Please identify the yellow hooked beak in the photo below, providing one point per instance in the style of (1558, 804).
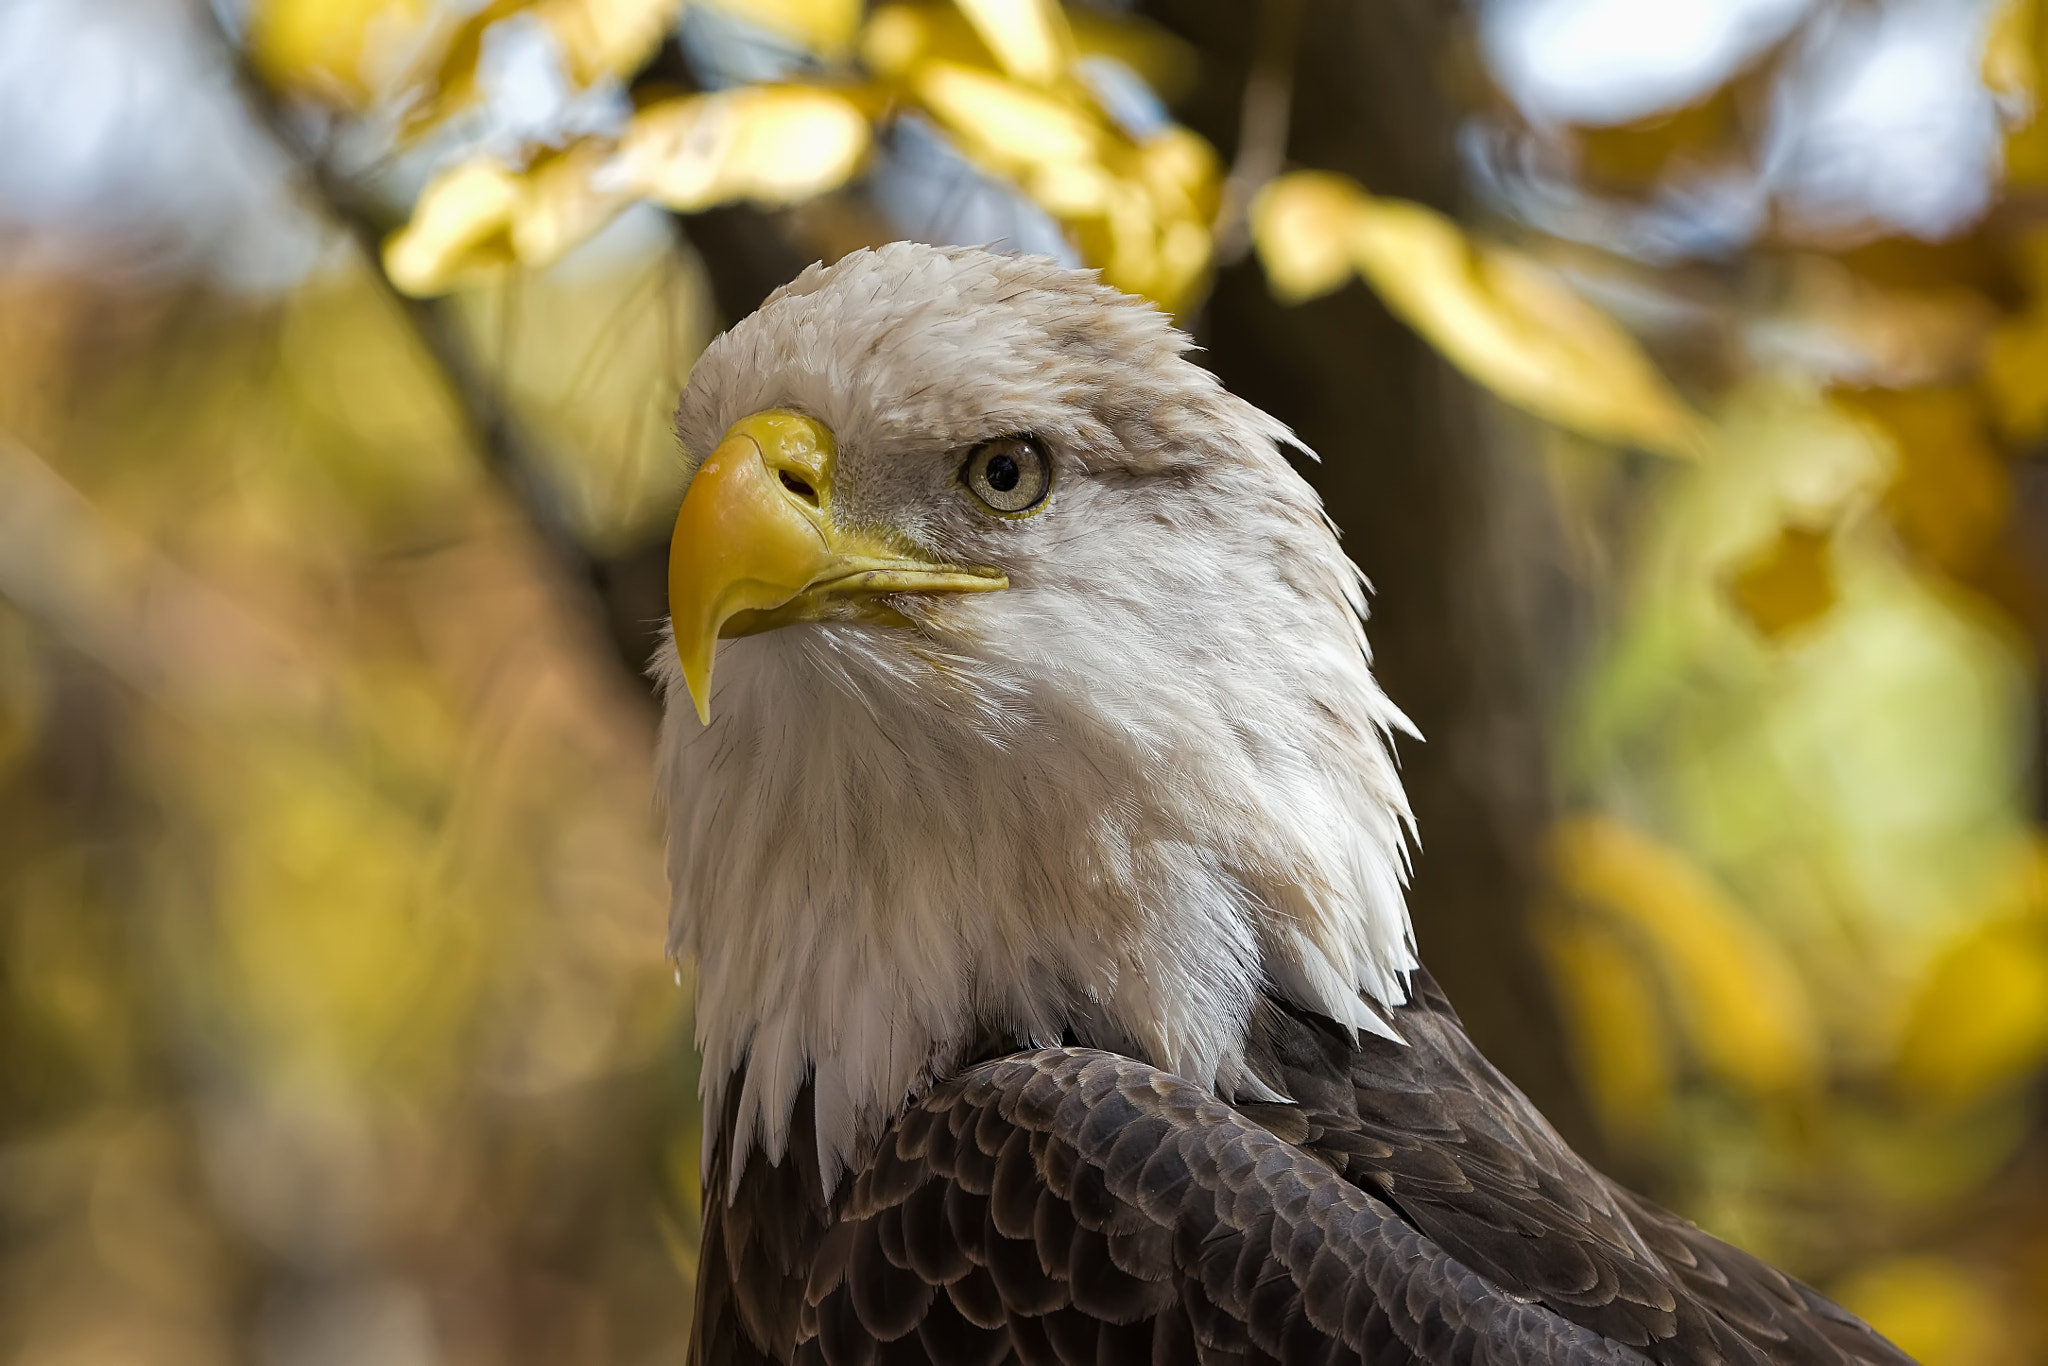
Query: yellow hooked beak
(756, 547)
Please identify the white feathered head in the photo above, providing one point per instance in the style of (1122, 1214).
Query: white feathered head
(1042, 706)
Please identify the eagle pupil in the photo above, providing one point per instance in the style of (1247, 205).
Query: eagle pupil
(1002, 473)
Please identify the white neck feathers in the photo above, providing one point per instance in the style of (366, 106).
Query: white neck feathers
(882, 852)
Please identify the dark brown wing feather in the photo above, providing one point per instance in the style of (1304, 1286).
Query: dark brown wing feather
(1434, 1130)
(1073, 1206)
(758, 1248)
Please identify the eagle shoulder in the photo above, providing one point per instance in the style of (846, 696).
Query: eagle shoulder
(1074, 1205)
(1067, 1205)
(1435, 1131)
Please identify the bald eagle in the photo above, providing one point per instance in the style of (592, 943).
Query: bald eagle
(1041, 851)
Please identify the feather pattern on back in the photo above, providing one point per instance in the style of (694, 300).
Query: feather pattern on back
(1073, 1206)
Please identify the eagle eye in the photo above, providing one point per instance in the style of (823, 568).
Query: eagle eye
(1010, 474)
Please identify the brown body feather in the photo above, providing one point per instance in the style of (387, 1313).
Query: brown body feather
(1074, 1206)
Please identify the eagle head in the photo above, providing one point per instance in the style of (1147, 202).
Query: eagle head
(1019, 694)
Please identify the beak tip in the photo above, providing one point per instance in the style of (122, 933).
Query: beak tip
(696, 671)
(698, 681)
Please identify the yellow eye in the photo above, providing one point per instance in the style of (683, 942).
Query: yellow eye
(1010, 474)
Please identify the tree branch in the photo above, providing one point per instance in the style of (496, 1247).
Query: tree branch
(611, 592)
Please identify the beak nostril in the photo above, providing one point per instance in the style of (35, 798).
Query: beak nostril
(799, 487)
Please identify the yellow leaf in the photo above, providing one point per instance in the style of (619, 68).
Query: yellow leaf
(460, 229)
(1028, 37)
(475, 219)
(900, 36)
(561, 203)
(1493, 312)
(1614, 1017)
(773, 145)
(595, 39)
(1072, 189)
(1744, 1009)
(336, 51)
(1137, 209)
(1003, 123)
(1182, 172)
(1517, 329)
(451, 83)
(895, 37)
(1146, 220)
(2015, 56)
(1979, 1022)
(2011, 65)
(1133, 238)
(826, 27)
(1787, 584)
(1147, 237)
(607, 37)
(1949, 498)
(1185, 250)
(1301, 226)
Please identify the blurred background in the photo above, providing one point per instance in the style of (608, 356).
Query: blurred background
(1680, 376)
